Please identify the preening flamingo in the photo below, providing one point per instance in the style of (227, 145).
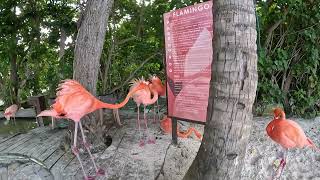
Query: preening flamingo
(288, 134)
(143, 96)
(161, 89)
(11, 112)
(166, 127)
(73, 102)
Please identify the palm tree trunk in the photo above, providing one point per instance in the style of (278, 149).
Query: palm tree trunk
(232, 92)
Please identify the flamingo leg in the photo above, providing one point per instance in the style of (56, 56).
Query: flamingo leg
(14, 119)
(158, 108)
(154, 114)
(99, 171)
(281, 166)
(283, 162)
(144, 117)
(52, 123)
(150, 140)
(75, 151)
(141, 143)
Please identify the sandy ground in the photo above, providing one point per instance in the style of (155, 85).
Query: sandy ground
(261, 155)
(172, 161)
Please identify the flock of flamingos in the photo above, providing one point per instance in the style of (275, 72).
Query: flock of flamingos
(73, 102)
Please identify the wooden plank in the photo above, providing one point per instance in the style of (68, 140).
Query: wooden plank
(14, 142)
(40, 146)
(59, 166)
(48, 151)
(46, 147)
(25, 147)
(54, 157)
(7, 138)
(18, 143)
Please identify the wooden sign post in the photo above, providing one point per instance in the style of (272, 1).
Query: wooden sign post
(188, 41)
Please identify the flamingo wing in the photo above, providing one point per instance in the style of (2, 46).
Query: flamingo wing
(290, 134)
(73, 101)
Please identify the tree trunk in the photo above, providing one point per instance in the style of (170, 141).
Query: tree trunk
(89, 43)
(14, 76)
(232, 92)
(88, 48)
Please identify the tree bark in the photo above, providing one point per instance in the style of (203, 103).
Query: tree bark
(232, 92)
(88, 49)
(14, 76)
(89, 43)
(63, 37)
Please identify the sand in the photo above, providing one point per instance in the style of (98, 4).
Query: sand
(261, 155)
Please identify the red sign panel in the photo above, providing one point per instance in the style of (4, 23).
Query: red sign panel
(188, 37)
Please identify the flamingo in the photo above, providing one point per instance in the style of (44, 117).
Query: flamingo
(288, 134)
(11, 112)
(73, 102)
(161, 89)
(166, 127)
(143, 96)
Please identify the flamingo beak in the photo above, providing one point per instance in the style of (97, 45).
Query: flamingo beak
(272, 111)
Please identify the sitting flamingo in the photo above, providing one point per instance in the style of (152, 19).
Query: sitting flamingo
(166, 127)
(73, 102)
(143, 96)
(288, 134)
(11, 112)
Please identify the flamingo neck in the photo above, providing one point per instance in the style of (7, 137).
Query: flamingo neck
(162, 92)
(117, 106)
(283, 115)
(113, 106)
(154, 98)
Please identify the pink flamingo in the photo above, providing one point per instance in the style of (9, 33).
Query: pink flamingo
(73, 102)
(11, 112)
(143, 96)
(288, 134)
(161, 89)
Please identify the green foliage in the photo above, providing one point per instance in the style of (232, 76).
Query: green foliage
(288, 63)
(289, 58)
(30, 31)
(140, 26)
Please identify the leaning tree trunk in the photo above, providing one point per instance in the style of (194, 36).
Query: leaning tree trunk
(232, 92)
(89, 44)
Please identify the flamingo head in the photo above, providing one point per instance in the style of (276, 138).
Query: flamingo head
(278, 113)
(157, 84)
(155, 80)
(7, 115)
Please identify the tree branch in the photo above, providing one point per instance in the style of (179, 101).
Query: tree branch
(273, 27)
(115, 43)
(134, 72)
